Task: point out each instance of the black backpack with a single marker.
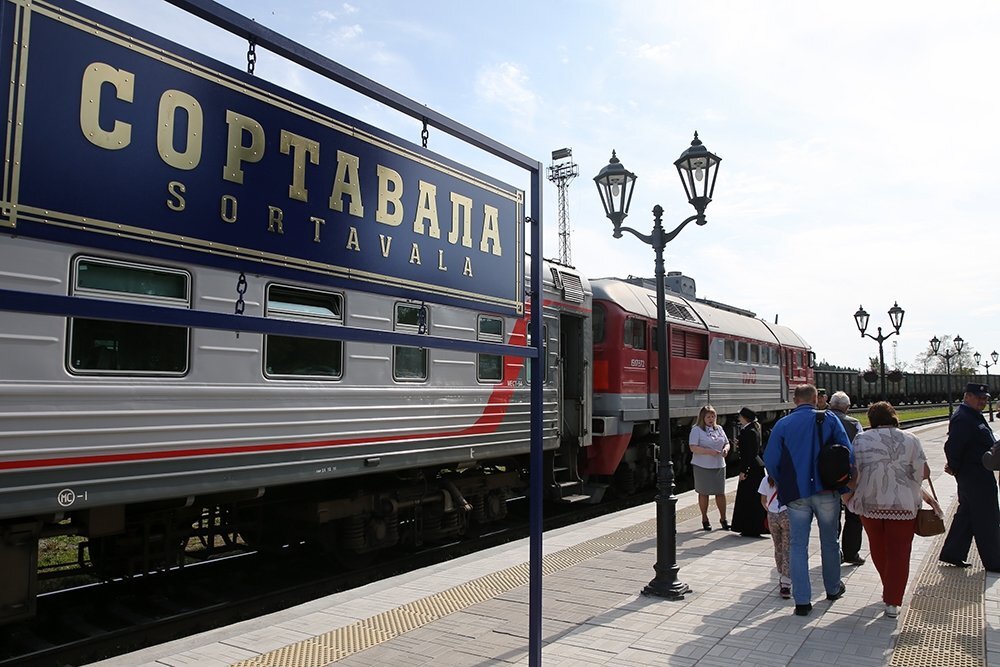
(834, 459)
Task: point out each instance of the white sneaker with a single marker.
(891, 610)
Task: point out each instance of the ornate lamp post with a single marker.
(947, 355)
(993, 356)
(896, 317)
(698, 169)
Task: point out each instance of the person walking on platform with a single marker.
(850, 536)
(777, 522)
(792, 459)
(748, 514)
(709, 447)
(978, 515)
(890, 465)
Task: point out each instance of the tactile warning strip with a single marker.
(342, 642)
(944, 624)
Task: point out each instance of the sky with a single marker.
(857, 138)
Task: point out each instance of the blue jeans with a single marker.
(826, 507)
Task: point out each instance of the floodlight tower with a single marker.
(561, 172)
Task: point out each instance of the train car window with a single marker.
(308, 358)
(635, 333)
(597, 322)
(106, 347)
(798, 360)
(409, 364)
(730, 350)
(754, 354)
(742, 353)
(489, 367)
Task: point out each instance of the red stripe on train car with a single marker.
(496, 407)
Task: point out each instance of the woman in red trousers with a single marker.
(891, 465)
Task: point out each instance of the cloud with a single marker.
(506, 86)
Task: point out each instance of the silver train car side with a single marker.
(136, 437)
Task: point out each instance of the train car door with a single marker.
(575, 379)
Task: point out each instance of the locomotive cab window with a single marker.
(110, 347)
(489, 367)
(291, 356)
(755, 353)
(741, 351)
(730, 350)
(409, 364)
(635, 333)
(598, 323)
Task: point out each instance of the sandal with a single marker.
(706, 525)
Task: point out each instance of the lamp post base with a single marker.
(675, 590)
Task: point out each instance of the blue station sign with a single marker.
(119, 139)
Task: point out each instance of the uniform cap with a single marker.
(980, 390)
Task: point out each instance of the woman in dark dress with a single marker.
(748, 513)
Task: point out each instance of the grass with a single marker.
(905, 414)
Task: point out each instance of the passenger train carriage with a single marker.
(130, 433)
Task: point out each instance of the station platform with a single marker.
(474, 611)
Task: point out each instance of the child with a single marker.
(777, 520)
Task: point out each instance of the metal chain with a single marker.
(424, 134)
(422, 319)
(241, 289)
(251, 57)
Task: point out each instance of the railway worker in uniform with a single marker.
(748, 513)
(821, 400)
(792, 460)
(978, 515)
(709, 447)
(850, 536)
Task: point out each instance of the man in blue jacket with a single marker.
(792, 461)
(978, 515)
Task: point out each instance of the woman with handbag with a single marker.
(887, 493)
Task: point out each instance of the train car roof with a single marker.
(642, 301)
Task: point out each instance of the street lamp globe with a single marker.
(978, 357)
(935, 345)
(959, 343)
(995, 356)
(615, 184)
(861, 319)
(698, 168)
(896, 316)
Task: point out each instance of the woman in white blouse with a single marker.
(891, 465)
(709, 447)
